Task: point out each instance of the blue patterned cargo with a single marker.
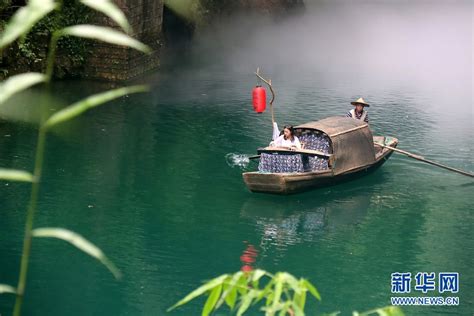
(284, 163)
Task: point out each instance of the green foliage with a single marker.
(79, 242)
(4, 4)
(104, 34)
(27, 51)
(24, 19)
(31, 49)
(71, 13)
(384, 311)
(5, 288)
(109, 8)
(187, 9)
(19, 83)
(15, 175)
(276, 294)
(80, 107)
(280, 293)
(19, 26)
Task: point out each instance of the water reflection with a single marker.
(282, 223)
(248, 257)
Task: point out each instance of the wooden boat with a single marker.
(350, 151)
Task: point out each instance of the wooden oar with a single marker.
(420, 158)
(254, 157)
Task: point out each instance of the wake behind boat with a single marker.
(335, 149)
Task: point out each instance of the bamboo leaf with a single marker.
(231, 298)
(19, 83)
(311, 289)
(390, 311)
(79, 242)
(212, 300)
(24, 19)
(242, 284)
(284, 309)
(268, 289)
(269, 298)
(291, 281)
(230, 288)
(278, 290)
(105, 34)
(80, 107)
(201, 290)
(300, 299)
(257, 274)
(5, 288)
(298, 311)
(384, 311)
(15, 175)
(246, 302)
(110, 9)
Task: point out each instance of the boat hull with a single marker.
(289, 183)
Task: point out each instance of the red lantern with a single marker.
(259, 99)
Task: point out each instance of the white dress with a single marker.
(282, 142)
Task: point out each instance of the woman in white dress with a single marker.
(287, 139)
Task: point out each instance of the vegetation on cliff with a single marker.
(29, 53)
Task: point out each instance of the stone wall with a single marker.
(101, 61)
(116, 63)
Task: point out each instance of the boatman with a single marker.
(359, 113)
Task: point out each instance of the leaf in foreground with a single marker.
(79, 242)
(5, 288)
(212, 300)
(384, 311)
(230, 293)
(246, 302)
(19, 83)
(110, 9)
(92, 101)
(15, 175)
(24, 19)
(200, 290)
(312, 289)
(105, 34)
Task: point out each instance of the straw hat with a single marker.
(360, 101)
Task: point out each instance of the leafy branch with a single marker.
(276, 293)
(19, 26)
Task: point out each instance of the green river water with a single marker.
(146, 179)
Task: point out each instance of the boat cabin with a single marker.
(339, 144)
(335, 149)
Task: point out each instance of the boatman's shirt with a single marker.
(282, 142)
(358, 116)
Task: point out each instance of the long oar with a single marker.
(420, 158)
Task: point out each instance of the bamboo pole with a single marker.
(269, 83)
(423, 159)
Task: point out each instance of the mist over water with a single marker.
(334, 36)
(407, 58)
(417, 45)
